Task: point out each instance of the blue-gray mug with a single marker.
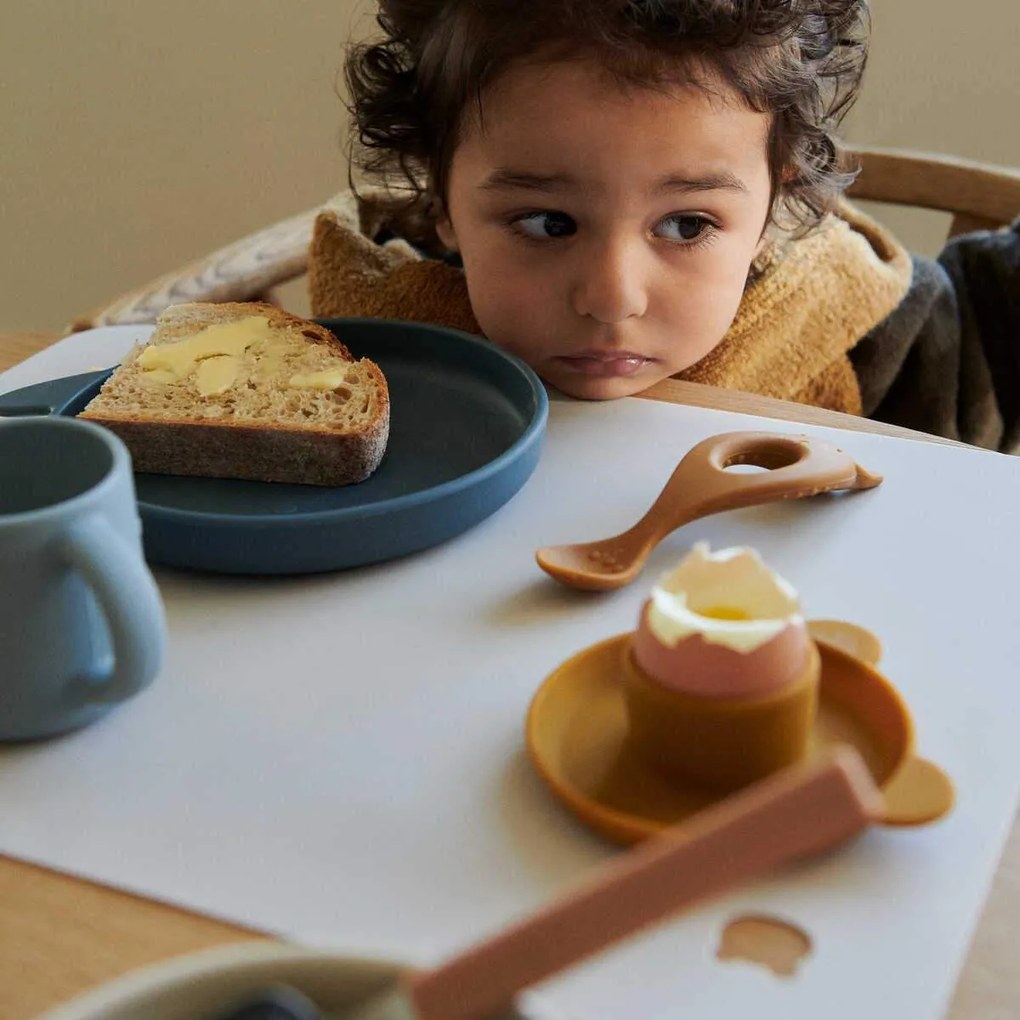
(82, 625)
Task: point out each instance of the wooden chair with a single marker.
(978, 196)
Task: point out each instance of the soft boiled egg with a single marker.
(722, 625)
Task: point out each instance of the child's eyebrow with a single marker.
(507, 179)
(722, 180)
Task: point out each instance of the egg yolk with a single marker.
(723, 613)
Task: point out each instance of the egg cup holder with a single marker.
(720, 743)
(582, 744)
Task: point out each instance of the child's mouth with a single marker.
(605, 364)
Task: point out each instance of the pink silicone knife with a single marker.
(799, 811)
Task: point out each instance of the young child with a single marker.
(619, 191)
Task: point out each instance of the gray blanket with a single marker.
(947, 361)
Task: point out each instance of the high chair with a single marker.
(979, 197)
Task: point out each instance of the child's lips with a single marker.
(604, 364)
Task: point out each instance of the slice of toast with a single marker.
(245, 390)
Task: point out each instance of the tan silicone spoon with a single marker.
(800, 811)
(700, 485)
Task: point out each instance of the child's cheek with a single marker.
(511, 291)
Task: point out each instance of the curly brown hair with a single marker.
(800, 61)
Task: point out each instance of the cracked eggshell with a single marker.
(722, 625)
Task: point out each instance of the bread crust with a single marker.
(277, 452)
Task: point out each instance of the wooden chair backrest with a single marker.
(979, 196)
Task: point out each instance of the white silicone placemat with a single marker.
(339, 758)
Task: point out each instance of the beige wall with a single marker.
(944, 76)
(136, 136)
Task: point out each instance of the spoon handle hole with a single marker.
(770, 454)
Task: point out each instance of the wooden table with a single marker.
(61, 935)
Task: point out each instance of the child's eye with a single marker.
(542, 225)
(684, 228)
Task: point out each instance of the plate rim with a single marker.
(628, 828)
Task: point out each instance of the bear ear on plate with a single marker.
(856, 641)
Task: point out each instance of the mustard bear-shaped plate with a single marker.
(579, 739)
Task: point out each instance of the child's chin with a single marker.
(600, 389)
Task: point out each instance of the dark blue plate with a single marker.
(466, 426)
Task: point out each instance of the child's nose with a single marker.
(610, 284)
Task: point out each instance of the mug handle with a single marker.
(131, 603)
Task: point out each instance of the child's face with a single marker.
(606, 234)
